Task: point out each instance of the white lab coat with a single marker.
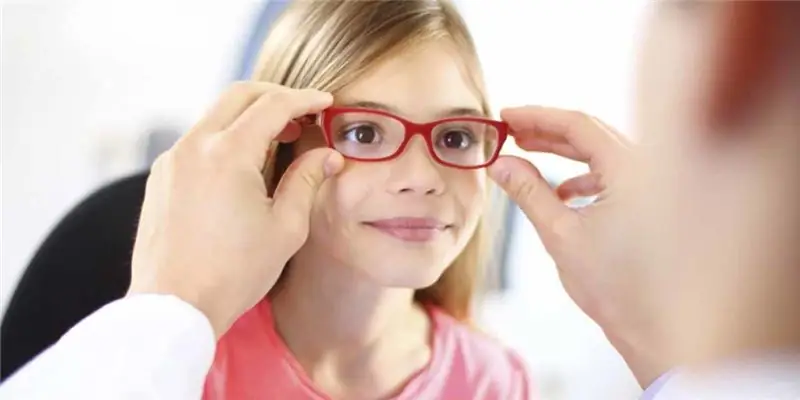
(153, 347)
(774, 377)
(139, 348)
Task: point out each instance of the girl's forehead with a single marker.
(421, 83)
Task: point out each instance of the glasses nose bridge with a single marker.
(418, 128)
(425, 130)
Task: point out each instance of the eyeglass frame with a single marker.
(325, 119)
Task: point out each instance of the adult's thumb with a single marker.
(298, 187)
(524, 184)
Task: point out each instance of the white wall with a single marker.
(80, 76)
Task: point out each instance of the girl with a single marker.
(376, 304)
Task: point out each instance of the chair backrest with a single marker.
(82, 265)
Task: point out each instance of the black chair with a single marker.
(82, 265)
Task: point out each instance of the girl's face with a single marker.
(400, 222)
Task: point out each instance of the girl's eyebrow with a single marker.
(447, 113)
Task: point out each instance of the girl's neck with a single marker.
(341, 311)
(337, 322)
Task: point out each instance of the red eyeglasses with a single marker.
(372, 135)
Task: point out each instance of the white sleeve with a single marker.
(141, 347)
(772, 377)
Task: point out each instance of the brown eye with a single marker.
(456, 139)
(361, 134)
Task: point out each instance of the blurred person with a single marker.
(722, 108)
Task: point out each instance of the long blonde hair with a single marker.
(327, 45)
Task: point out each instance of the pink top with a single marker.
(253, 362)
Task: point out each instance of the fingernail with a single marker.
(333, 164)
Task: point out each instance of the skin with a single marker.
(206, 205)
(376, 337)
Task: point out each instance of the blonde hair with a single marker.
(327, 45)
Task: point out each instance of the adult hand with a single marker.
(208, 232)
(586, 243)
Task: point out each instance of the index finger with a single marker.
(231, 104)
(595, 141)
(267, 117)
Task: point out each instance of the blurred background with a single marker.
(92, 91)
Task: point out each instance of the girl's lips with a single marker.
(410, 229)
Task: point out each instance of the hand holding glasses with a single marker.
(372, 135)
